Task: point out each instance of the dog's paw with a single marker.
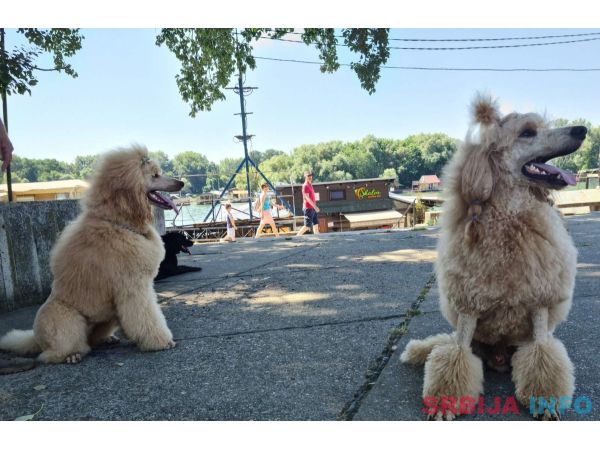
(74, 358)
(442, 415)
(159, 346)
(112, 340)
(548, 414)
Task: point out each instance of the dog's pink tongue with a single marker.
(567, 176)
(168, 201)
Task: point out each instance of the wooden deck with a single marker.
(215, 231)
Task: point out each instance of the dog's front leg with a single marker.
(453, 373)
(542, 371)
(142, 320)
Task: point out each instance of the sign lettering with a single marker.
(363, 193)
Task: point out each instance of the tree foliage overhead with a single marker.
(209, 57)
(18, 66)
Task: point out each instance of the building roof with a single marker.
(429, 179)
(321, 183)
(373, 218)
(46, 186)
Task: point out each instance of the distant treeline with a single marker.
(371, 157)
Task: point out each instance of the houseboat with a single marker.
(348, 204)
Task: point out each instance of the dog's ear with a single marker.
(478, 177)
(479, 172)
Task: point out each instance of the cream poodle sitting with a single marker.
(506, 264)
(104, 264)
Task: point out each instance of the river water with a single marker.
(191, 214)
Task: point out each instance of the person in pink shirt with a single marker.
(309, 206)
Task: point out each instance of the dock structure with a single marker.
(582, 201)
(349, 204)
(215, 231)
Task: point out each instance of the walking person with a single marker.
(231, 226)
(309, 206)
(265, 212)
(10, 364)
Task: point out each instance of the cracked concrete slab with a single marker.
(397, 393)
(287, 330)
(278, 330)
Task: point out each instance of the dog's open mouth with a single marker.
(185, 249)
(162, 201)
(539, 170)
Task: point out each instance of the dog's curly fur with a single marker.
(504, 258)
(104, 264)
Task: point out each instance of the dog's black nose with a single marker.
(578, 132)
(181, 183)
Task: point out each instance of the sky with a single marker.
(126, 92)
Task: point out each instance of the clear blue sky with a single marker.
(126, 92)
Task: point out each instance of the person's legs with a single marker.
(259, 230)
(303, 230)
(315, 222)
(263, 222)
(274, 227)
(307, 222)
(230, 234)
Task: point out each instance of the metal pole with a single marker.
(5, 117)
(245, 139)
(293, 203)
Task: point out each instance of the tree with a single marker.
(83, 167)
(586, 157)
(210, 56)
(277, 168)
(389, 173)
(31, 170)
(18, 66)
(226, 168)
(410, 164)
(166, 166)
(193, 167)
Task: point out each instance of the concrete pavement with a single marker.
(300, 329)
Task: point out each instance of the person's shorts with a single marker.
(266, 216)
(310, 217)
(231, 233)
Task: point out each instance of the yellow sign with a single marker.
(363, 193)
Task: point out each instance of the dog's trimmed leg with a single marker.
(142, 320)
(62, 333)
(542, 371)
(453, 372)
(417, 350)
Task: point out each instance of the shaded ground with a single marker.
(301, 329)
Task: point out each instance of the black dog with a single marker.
(174, 243)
